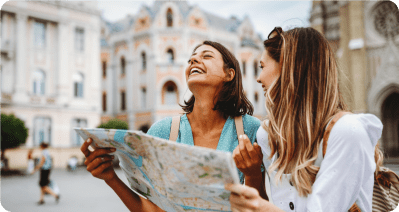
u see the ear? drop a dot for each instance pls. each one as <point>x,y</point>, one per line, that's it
<point>230,74</point>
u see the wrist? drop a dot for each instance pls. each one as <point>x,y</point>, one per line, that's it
<point>112,180</point>
<point>254,175</point>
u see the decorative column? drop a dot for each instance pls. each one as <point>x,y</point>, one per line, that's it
<point>63,63</point>
<point>93,89</point>
<point>131,74</point>
<point>21,88</point>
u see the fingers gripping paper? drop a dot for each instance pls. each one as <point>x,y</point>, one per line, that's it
<point>174,176</point>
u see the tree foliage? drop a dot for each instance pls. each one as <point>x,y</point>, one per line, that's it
<point>114,124</point>
<point>13,131</point>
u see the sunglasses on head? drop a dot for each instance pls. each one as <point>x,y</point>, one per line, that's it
<point>276,31</point>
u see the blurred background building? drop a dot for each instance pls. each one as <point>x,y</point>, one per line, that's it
<point>50,73</point>
<point>144,57</point>
<point>64,66</point>
<point>365,36</point>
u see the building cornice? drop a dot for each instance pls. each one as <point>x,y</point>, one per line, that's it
<point>68,5</point>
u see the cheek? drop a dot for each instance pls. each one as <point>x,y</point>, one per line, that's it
<point>187,72</point>
<point>263,77</point>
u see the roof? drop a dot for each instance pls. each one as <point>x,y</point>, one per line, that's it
<point>214,21</point>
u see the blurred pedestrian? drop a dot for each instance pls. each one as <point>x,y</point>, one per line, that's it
<point>31,162</point>
<point>72,163</point>
<point>45,165</point>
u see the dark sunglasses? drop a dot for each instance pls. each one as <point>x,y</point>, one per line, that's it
<point>276,31</point>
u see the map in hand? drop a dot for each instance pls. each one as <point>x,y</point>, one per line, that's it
<point>174,176</point>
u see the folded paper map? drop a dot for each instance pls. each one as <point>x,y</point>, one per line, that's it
<point>174,176</point>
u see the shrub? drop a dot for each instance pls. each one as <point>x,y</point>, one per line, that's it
<point>114,124</point>
<point>13,132</point>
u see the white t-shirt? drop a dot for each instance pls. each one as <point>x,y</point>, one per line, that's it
<point>346,172</point>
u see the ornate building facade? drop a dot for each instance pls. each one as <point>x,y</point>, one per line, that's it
<point>50,73</point>
<point>62,66</point>
<point>144,56</point>
<point>365,35</point>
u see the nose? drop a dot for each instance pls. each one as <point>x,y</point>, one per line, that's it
<point>194,59</point>
<point>258,80</point>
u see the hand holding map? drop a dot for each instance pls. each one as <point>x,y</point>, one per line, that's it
<point>175,177</point>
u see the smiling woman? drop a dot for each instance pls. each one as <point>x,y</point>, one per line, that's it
<point>214,77</point>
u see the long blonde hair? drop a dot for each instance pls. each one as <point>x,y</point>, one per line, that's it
<point>300,103</point>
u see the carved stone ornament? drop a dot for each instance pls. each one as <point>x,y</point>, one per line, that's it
<point>386,19</point>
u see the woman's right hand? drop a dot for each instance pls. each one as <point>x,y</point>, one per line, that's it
<point>99,162</point>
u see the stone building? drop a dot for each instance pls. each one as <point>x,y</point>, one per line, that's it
<point>365,35</point>
<point>50,73</point>
<point>144,56</point>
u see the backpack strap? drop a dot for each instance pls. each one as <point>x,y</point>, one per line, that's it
<point>174,129</point>
<point>239,126</point>
<point>329,128</point>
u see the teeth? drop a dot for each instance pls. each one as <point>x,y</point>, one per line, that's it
<point>196,70</point>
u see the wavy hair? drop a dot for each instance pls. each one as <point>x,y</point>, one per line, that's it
<point>231,100</point>
<point>300,103</point>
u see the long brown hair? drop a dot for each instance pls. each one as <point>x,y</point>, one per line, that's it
<point>300,103</point>
<point>231,100</point>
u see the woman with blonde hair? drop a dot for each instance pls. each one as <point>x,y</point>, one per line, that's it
<point>300,79</point>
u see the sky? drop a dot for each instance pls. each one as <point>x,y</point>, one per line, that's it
<point>264,15</point>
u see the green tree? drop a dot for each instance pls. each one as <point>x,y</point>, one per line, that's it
<point>13,132</point>
<point>114,124</point>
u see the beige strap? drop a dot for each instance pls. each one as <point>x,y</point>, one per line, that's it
<point>239,126</point>
<point>174,129</point>
<point>329,128</point>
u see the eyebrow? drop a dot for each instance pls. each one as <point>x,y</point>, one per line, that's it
<point>203,52</point>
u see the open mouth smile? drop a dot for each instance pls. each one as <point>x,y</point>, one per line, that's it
<point>196,71</point>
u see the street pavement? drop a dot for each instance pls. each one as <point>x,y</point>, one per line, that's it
<point>79,192</point>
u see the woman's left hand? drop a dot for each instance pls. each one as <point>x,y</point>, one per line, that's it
<point>248,157</point>
<point>244,198</point>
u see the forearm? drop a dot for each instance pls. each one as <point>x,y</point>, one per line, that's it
<point>131,200</point>
<point>255,181</point>
<point>39,166</point>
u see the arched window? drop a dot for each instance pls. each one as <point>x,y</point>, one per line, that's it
<point>143,61</point>
<point>39,82</point>
<point>143,97</point>
<point>390,119</point>
<point>78,80</point>
<point>144,128</point>
<point>42,130</point>
<point>170,55</point>
<point>170,94</point>
<point>123,101</point>
<point>123,65</point>
<point>169,18</point>
<point>104,66</point>
<point>39,30</point>
<point>104,102</point>
<point>256,69</point>
<point>76,139</point>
